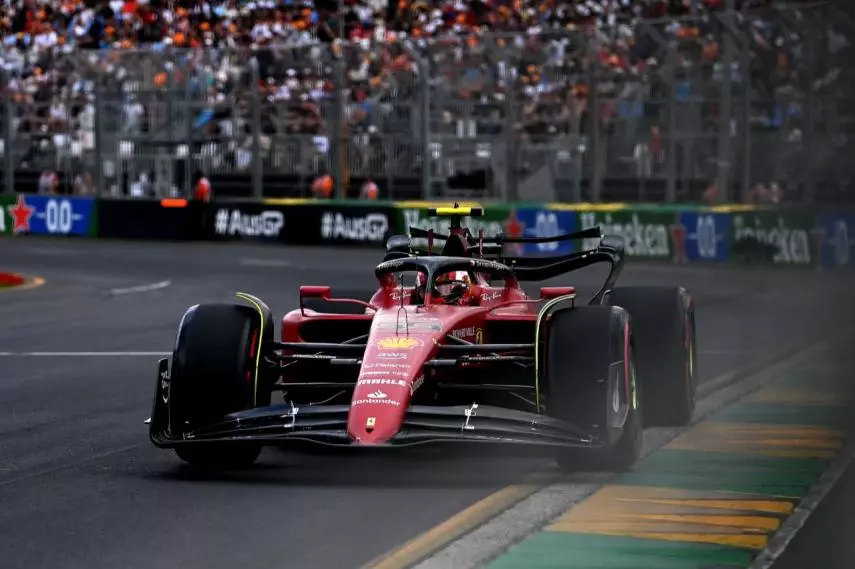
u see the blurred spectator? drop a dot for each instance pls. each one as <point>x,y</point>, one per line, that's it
<point>201,187</point>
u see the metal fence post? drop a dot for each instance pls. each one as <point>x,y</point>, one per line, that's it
<point>596,151</point>
<point>8,136</point>
<point>424,124</point>
<point>671,78</point>
<point>725,156</point>
<point>98,96</point>
<point>511,137</point>
<point>339,140</point>
<point>810,141</point>
<point>743,47</point>
<point>255,101</point>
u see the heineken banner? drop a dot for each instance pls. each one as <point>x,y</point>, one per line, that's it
<point>649,233</point>
<point>774,237</point>
<point>497,219</point>
<point>6,219</point>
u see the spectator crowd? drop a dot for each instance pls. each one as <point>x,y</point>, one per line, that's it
<point>491,68</point>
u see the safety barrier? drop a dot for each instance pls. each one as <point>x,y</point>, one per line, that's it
<point>817,237</point>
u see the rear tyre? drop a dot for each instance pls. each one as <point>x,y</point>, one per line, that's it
<point>591,382</point>
<point>663,320</point>
<point>213,374</point>
<point>326,307</point>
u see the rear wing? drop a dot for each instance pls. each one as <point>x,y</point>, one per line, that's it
<point>499,240</point>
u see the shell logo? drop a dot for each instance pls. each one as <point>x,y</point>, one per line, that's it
<point>399,343</point>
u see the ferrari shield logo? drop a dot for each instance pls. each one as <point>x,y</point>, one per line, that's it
<point>399,343</point>
<point>370,422</point>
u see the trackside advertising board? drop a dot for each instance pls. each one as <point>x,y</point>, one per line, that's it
<point>6,222</point>
<point>49,215</point>
<point>836,233</point>
<point>705,236</point>
<point>335,224</point>
<point>774,238</point>
<point>745,234</point>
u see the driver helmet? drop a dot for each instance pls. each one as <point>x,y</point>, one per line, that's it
<point>450,287</point>
<point>452,282</point>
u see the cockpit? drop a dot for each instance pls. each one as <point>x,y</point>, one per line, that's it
<point>440,280</point>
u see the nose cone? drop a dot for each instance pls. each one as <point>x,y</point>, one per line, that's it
<point>377,409</point>
<point>385,386</point>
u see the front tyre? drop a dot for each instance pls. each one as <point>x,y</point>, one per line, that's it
<point>592,383</point>
<point>216,370</point>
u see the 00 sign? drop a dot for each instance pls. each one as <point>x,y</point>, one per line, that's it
<point>59,216</point>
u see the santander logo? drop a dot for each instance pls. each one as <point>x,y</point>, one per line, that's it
<point>377,395</point>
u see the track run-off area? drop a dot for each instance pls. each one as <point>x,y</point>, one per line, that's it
<point>81,486</point>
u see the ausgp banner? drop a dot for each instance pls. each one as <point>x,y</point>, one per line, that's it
<point>353,225</point>
<point>254,221</point>
<point>240,221</point>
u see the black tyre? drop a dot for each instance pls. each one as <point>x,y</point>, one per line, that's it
<point>216,371</point>
<point>326,307</point>
<point>663,319</point>
<point>591,382</point>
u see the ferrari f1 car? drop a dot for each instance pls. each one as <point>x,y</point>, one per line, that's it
<point>459,354</point>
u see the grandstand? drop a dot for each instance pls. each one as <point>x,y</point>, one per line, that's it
<point>533,99</point>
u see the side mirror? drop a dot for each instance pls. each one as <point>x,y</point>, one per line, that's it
<point>549,292</point>
<point>314,292</point>
<point>398,244</point>
<point>475,292</point>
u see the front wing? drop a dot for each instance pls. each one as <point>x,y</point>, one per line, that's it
<point>327,425</point>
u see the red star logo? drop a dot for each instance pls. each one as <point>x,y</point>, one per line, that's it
<point>21,214</point>
<point>513,226</point>
<point>514,229</point>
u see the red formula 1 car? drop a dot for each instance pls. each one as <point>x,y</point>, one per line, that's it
<point>460,353</point>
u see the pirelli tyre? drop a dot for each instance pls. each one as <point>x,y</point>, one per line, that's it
<point>591,382</point>
<point>216,370</point>
<point>663,319</point>
<point>326,307</point>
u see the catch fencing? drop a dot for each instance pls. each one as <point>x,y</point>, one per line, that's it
<point>637,111</point>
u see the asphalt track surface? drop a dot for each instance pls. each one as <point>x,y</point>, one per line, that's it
<point>81,486</point>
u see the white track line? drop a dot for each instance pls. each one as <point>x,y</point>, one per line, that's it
<point>275,263</point>
<point>81,354</point>
<point>141,288</point>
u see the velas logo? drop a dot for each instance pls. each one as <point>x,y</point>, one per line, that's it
<point>21,214</point>
<point>399,343</point>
